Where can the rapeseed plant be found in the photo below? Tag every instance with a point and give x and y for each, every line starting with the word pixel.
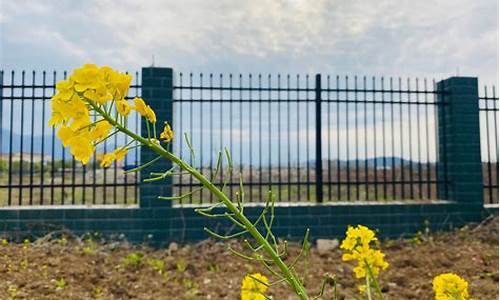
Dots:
pixel 254 286
pixel 91 106
pixel 450 286
pixel 358 245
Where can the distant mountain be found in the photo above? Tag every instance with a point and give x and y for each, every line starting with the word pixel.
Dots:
pixel 27 139
pixel 390 162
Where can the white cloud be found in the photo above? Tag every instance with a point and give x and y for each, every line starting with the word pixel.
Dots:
pixel 414 38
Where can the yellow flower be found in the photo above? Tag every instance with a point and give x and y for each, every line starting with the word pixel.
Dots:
pixel 65 89
pixel 86 77
pixel 167 135
pixel 107 160
pixel 99 95
pixel 65 134
pixel 123 107
pixel 140 106
pixel 150 114
pixel 254 286
pixel 362 288
pixel 449 286
pixel 122 84
pixel 100 131
pixel 81 148
pixel 120 153
pixel 360 235
pixel 144 110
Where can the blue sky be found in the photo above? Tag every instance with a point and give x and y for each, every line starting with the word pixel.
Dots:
pixel 428 38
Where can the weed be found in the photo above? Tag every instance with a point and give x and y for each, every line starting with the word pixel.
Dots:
pixel 45 270
pixel 191 287
pixel 91 247
pixel 24 264
pixel 181 265
pixel 133 260
pixel 26 244
pixel 62 241
pixel 212 267
pixel 157 264
pixel 60 284
pixel 13 291
pixel 98 291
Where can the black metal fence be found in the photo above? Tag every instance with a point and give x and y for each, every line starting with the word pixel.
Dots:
pixel 488 108
pixel 371 139
pixel 307 139
pixel 35 169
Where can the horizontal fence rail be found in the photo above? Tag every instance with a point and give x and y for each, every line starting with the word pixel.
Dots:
pixel 377 138
pixel 35 169
pixel 488 110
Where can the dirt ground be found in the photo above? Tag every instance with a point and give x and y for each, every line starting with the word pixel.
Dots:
pixel 69 268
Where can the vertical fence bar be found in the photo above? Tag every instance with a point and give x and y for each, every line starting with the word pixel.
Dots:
pixel 53 146
pixel 2 202
pixel 308 173
pixel 201 132
pixel 11 132
pixel 365 133
pixel 299 180
pixel 347 148
pixel 32 136
pixel 250 145
pixel 278 104
pixel 427 143
pixel 393 151
pixel 289 177
pixel 21 169
pixel 356 133
pixel 419 160
pixel 319 162
pixel 190 133
pixel 211 121
pixel 374 119
pixel 157 91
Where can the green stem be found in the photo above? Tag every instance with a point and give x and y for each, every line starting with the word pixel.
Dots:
pixel 290 277
pixel 375 281
pixel 368 291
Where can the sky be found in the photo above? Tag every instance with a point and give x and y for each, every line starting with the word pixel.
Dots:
pixel 407 38
pixel 432 38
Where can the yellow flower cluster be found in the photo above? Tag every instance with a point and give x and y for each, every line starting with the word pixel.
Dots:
pixel 167 135
pixel 254 286
pixel 71 107
pixel 357 244
pixel 88 87
pixel 449 286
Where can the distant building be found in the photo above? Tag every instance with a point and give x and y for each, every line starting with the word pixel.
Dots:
pixel 26 157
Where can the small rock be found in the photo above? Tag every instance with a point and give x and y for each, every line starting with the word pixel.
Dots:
pixel 391 285
pixel 325 246
pixel 173 247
